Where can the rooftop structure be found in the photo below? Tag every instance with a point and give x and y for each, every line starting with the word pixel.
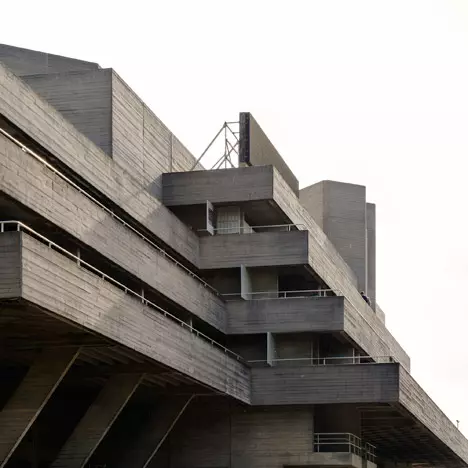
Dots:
pixel 157 314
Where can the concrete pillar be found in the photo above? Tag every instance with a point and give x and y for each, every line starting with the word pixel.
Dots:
pixel 97 421
pixel 271 349
pixel 246 283
pixel 31 396
pixel 140 451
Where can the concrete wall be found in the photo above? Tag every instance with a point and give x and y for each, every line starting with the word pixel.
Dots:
pixel 30 62
pixel 32 184
pixel 286 315
pixel 254 250
pixel 340 210
pixel 214 433
pixel 330 266
pixel 338 418
pixel 50 129
pixel 301 385
pixel 84 98
pixel 264 280
pixel 256 149
pixel 371 254
pixel 59 285
pixel 220 186
pixel 10 265
pixel 311 198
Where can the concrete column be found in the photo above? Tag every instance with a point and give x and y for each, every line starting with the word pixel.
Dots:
pixel 97 421
pixel 31 396
pixel 271 349
pixel 246 283
pixel 140 451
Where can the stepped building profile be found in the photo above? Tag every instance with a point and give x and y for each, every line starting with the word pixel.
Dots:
pixel 156 313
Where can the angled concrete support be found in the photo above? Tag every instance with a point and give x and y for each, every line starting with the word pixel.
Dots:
pixel 31 396
pixel 140 453
pixel 97 421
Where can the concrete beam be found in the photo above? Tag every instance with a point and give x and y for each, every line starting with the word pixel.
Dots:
pixel 140 453
pixel 239 185
pixel 31 396
pixel 359 383
pixel 254 250
pixel 97 421
pixel 318 314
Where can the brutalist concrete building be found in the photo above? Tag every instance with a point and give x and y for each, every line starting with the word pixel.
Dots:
pixel 157 313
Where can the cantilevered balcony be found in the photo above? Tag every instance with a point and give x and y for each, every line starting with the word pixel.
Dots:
pixel 281 312
pixel 342 449
pixel 264 196
pixel 258 249
pixel 326 311
pixel 385 394
pixel 41 275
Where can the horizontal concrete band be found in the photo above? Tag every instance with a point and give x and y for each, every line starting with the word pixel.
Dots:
pixel 112 176
pixel 286 315
pixel 255 184
pixel 52 281
pixel 29 182
pixel 358 383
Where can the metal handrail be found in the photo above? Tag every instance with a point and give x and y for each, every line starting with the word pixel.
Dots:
pixel 332 360
pixel 51 244
pixel 332 441
pixel 104 207
pixel 249 229
pixel 284 294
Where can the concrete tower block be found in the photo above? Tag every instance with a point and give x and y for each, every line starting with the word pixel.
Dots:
pixel 340 209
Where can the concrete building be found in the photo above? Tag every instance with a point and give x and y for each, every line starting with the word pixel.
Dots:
pixel 157 314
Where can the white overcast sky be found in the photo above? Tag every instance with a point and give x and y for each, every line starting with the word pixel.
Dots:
pixel 371 92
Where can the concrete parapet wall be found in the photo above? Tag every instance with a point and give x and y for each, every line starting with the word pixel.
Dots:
pixel 58 285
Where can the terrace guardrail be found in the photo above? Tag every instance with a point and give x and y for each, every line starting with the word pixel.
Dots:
pixel 13 225
pixel 259 295
pixel 238 229
pixel 325 361
pixel 344 442
pixel 106 209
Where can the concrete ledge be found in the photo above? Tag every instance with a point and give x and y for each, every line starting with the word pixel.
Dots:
pixel 311 385
pixel 29 182
pixel 332 459
pixel 305 314
pixel 238 185
pixel 58 285
pixel 254 250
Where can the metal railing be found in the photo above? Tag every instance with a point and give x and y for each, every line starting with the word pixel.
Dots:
pixel 258 295
pixel 326 361
pixel 343 442
pixel 105 208
pixel 11 225
pixel 256 229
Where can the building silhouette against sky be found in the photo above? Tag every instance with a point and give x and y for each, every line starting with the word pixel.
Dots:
pixel 157 313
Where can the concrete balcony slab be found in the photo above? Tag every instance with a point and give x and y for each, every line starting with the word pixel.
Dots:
pixel 59 285
pixel 254 250
pixel 385 390
pixel 331 459
pixel 286 315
